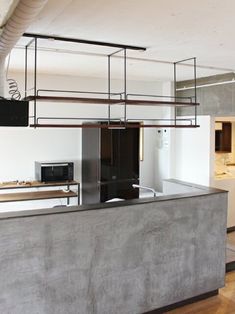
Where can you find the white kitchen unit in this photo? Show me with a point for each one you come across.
(227, 182)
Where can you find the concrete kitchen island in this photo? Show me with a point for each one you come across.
(125, 257)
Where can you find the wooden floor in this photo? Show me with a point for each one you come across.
(224, 303)
(230, 247)
(231, 238)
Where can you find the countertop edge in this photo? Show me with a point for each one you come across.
(203, 190)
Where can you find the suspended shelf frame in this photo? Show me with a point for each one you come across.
(108, 98)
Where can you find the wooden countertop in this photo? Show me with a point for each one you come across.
(33, 184)
(38, 195)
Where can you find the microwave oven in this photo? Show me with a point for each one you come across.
(49, 171)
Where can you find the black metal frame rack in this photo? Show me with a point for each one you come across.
(106, 98)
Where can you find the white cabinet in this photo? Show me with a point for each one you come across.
(228, 184)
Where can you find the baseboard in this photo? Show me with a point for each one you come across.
(230, 229)
(182, 303)
(230, 266)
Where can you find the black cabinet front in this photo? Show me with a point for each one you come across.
(119, 154)
(110, 164)
(119, 189)
(223, 138)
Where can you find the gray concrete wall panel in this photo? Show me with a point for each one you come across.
(128, 260)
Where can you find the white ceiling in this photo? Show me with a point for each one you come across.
(170, 30)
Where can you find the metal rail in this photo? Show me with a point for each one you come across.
(113, 98)
(108, 126)
(77, 92)
(84, 41)
(195, 84)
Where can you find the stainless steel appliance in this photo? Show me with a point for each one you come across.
(52, 171)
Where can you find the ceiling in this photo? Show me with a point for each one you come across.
(170, 30)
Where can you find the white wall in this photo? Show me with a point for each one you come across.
(162, 146)
(147, 166)
(20, 147)
(191, 153)
(162, 160)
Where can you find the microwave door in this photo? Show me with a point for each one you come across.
(60, 173)
(55, 173)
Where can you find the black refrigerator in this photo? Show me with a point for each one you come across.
(110, 164)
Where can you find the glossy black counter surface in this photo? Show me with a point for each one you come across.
(202, 190)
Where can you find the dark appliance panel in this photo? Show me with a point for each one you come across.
(106, 155)
(118, 189)
(129, 153)
(119, 154)
(110, 164)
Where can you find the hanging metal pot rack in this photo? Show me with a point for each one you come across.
(108, 98)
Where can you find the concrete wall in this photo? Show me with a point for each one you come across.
(216, 99)
(128, 259)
